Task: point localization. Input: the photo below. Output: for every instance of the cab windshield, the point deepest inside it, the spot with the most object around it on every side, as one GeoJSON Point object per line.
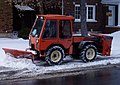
{"type": "Point", "coordinates": [37, 27]}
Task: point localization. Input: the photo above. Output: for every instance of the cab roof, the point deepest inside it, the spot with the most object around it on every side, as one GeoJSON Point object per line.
{"type": "Point", "coordinates": [57, 17]}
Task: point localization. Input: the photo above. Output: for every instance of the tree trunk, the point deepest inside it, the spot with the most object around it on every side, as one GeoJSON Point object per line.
{"type": "Point", "coordinates": [84, 31]}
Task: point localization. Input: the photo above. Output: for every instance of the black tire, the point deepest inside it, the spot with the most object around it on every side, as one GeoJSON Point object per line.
{"type": "Point", "coordinates": [88, 53]}
{"type": "Point", "coordinates": [54, 55]}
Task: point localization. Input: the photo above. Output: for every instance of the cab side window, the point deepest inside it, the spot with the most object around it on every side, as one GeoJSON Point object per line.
{"type": "Point", "coordinates": [65, 29]}
{"type": "Point", "coordinates": [50, 29]}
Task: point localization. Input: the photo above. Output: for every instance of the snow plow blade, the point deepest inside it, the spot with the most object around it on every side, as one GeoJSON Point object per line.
{"type": "Point", "coordinates": [18, 53]}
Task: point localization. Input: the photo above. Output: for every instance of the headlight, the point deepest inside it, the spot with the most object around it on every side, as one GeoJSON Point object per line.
{"type": "Point", "coordinates": [37, 41]}
{"type": "Point", "coordinates": [29, 37]}
{"type": "Point", "coordinates": [41, 18]}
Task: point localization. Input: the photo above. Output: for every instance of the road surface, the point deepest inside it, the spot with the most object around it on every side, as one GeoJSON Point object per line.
{"type": "Point", "coordinates": [105, 76]}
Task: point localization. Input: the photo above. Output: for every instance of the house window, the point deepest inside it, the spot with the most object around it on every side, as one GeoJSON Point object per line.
{"type": "Point", "coordinates": [77, 12]}
{"type": "Point", "coordinates": [90, 14]}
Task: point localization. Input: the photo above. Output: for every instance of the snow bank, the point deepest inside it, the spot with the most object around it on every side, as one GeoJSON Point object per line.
{"type": "Point", "coordinates": [115, 44]}
{"type": "Point", "coordinates": [11, 62]}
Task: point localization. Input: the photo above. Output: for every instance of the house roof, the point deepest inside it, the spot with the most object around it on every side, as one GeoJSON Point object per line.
{"type": "Point", "coordinates": [110, 1]}
{"type": "Point", "coordinates": [24, 8]}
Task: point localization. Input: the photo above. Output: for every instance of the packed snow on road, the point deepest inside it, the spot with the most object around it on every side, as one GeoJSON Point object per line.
{"type": "Point", "coordinates": [26, 66]}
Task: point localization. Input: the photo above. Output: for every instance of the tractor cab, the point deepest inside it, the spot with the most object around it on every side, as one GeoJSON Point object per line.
{"type": "Point", "coordinates": [51, 29]}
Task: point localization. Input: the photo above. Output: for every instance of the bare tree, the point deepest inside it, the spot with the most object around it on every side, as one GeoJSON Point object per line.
{"type": "Point", "coordinates": [84, 31]}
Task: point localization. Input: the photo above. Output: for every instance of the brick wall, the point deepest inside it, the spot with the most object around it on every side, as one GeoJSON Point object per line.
{"type": "Point", "coordinates": [100, 14]}
{"type": "Point", "coordinates": [6, 16]}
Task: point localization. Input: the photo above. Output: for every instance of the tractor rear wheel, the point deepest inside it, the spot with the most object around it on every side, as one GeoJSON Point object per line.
{"type": "Point", "coordinates": [54, 55]}
{"type": "Point", "coordinates": [88, 53]}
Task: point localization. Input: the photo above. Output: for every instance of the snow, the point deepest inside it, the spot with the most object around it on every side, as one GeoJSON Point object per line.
{"type": "Point", "coordinates": [115, 44]}
{"type": "Point", "coordinates": [8, 61]}
{"type": "Point", "coordinates": [25, 8]}
{"type": "Point", "coordinates": [40, 67]}
{"type": "Point", "coordinates": [109, 1]}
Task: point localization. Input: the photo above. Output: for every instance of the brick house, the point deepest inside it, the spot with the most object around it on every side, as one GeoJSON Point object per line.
{"type": "Point", "coordinates": [6, 16]}
{"type": "Point", "coordinates": [97, 10]}
{"type": "Point", "coordinates": [102, 15]}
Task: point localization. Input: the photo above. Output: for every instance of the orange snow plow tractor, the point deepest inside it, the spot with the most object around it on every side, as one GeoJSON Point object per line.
{"type": "Point", "coordinates": [52, 38]}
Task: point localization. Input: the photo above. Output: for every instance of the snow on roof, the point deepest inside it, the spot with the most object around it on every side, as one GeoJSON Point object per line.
{"type": "Point", "coordinates": [24, 8]}
{"type": "Point", "coordinates": [110, 1]}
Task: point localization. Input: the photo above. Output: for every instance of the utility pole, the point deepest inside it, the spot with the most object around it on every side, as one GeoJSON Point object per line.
{"type": "Point", "coordinates": [83, 11]}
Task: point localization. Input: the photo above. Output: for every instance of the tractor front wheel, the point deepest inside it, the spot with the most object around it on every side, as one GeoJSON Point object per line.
{"type": "Point", "coordinates": [54, 55]}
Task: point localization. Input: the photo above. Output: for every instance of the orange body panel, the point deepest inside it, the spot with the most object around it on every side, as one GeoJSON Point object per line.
{"type": "Point", "coordinates": [77, 39]}
{"type": "Point", "coordinates": [106, 46]}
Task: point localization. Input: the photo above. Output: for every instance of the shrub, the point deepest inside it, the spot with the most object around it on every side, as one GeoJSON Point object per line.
{"type": "Point", "coordinates": [24, 33]}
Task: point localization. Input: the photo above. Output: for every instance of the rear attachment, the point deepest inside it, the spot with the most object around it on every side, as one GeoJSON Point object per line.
{"type": "Point", "coordinates": [19, 53]}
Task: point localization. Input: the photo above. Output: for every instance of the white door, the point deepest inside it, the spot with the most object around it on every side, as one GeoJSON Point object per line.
{"type": "Point", "coordinates": [111, 19]}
